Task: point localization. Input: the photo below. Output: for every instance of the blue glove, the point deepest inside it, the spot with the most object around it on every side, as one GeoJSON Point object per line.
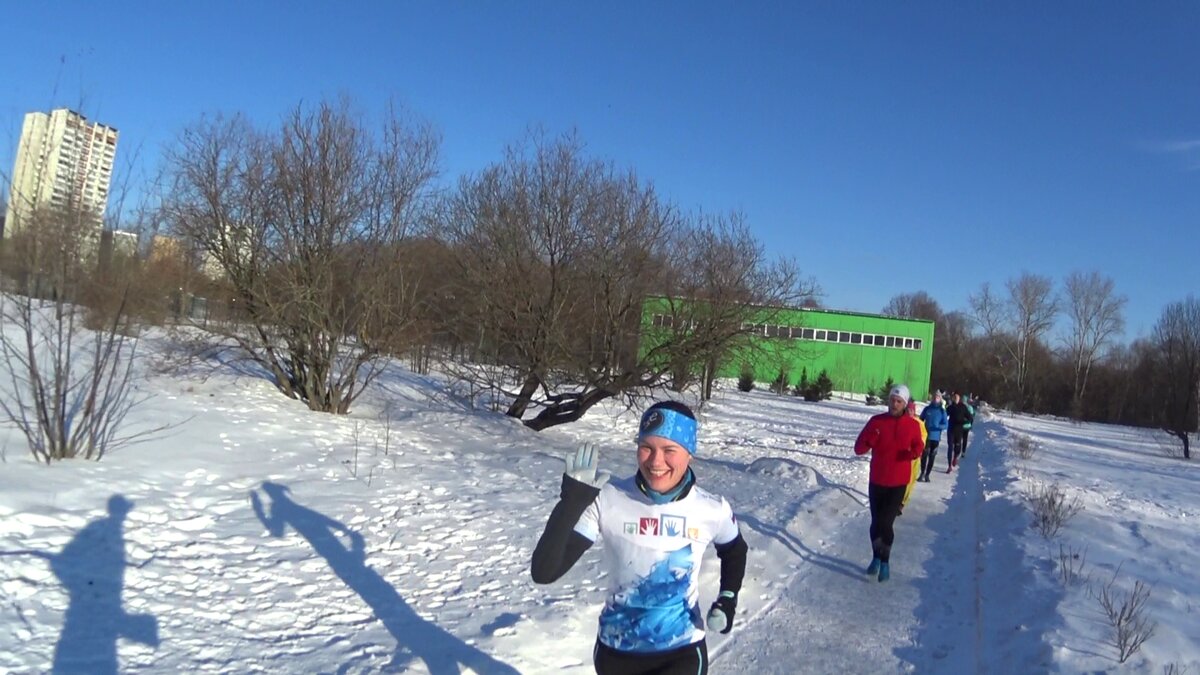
{"type": "Point", "coordinates": [581, 466]}
{"type": "Point", "coordinates": [720, 617]}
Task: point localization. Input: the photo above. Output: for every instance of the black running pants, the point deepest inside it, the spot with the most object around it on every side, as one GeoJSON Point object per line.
{"type": "Point", "coordinates": [687, 660]}
{"type": "Point", "coordinates": [885, 506]}
{"type": "Point", "coordinates": [958, 440]}
{"type": "Point", "coordinates": [928, 456]}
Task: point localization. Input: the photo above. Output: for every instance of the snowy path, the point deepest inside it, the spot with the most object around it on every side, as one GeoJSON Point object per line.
{"type": "Point", "coordinates": [931, 615]}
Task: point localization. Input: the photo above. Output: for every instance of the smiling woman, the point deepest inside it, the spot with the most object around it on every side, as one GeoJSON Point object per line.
{"type": "Point", "coordinates": [656, 526]}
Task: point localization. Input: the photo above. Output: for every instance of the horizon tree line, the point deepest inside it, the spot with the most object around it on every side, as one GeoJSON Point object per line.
{"type": "Point", "coordinates": [339, 250]}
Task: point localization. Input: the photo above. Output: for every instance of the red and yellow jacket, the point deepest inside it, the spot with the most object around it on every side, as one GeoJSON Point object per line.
{"type": "Point", "coordinates": [894, 442]}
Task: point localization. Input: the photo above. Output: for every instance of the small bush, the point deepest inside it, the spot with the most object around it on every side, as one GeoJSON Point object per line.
{"type": "Point", "coordinates": [1051, 508]}
{"type": "Point", "coordinates": [1129, 625]}
{"type": "Point", "coordinates": [1024, 447]}
{"type": "Point", "coordinates": [1175, 669]}
{"type": "Point", "coordinates": [746, 381]}
{"type": "Point", "coordinates": [1070, 565]}
{"type": "Point", "coordinates": [872, 399]}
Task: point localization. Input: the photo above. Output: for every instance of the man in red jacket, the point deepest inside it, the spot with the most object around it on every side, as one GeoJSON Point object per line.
{"type": "Point", "coordinates": [894, 441]}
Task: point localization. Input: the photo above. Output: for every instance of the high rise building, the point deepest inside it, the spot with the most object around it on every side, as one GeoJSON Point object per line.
{"type": "Point", "coordinates": [63, 162]}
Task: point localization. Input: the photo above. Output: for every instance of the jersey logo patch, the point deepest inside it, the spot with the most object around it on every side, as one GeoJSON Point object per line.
{"type": "Point", "coordinates": [648, 526]}
{"type": "Point", "coordinates": [693, 533]}
{"type": "Point", "coordinates": [673, 526]}
{"type": "Point", "coordinates": [631, 528]}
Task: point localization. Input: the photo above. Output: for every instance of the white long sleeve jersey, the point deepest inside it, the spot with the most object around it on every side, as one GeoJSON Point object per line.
{"type": "Point", "coordinates": [653, 554]}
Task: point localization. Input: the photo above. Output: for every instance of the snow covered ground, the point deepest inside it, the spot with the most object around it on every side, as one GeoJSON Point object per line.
{"type": "Point", "coordinates": [256, 536]}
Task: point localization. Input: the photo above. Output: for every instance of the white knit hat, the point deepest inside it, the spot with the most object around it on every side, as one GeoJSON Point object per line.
{"type": "Point", "coordinates": [901, 391]}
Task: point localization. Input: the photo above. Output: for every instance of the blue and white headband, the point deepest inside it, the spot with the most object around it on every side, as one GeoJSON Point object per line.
{"type": "Point", "coordinates": [669, 424]}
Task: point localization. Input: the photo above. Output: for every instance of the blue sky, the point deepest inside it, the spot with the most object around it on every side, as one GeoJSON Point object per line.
{"type": "Point", "coordinates": [889, 147]}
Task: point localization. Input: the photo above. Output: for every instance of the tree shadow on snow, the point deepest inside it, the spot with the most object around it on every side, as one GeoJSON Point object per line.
{"type": "Point", "coordinates": [795, 545]}
{"type": "Point", "coordinates": [415, 637]}
{"type": "Point", "coordinates": [91, 567]}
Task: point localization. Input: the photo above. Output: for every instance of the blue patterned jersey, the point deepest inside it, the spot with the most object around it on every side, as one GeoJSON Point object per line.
{"type": "Point", "coordinates": [653, 553]}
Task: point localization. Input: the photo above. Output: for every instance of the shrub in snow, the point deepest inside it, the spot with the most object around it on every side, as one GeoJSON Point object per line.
{"type": "Point", "coordinates": [1051, 508]}
{"type": "Point", "coordinates": [1024, 447]}
{"type": "Point", "coordinates": [69, 388]}
{"type": "Point", "coordinates": [1128, 623]}
{"type": "Point", "coordinates": [1070, 565]}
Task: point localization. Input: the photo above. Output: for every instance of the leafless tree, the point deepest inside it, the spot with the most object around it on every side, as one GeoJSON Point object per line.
{"type": "Point", "coordinates": [918, 305]}
{"type": "Point", "coordinates": [70, 386]}
{"type": "Point", "coordinates": [991, 314]}
{"type": "Point", "coordinates": [1177, 338]}
{"type": "Point", "coordinates": [308, 225]}
{"type": "Point", "coordinates": [724, 287]}
{"type": "Point", "coordinates": [1096, 318]}
{"type": "Point", "coordinates": [1015, 325]}
{"type": "Point", "coordinates": [556, 253]}
{"type": "Point", "coordinates": [1034, 307]}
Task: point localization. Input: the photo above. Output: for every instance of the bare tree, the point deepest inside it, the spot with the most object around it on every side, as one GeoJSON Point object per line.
{"type": "Point", "coordinates": [70, 386]}
{"type": "Point", "coordinates": [1096, 315]}
{"type": "Point", "coordinates": [1177, 338]}
{"type": "Point", "coordinates": [992, 315]}
{"type": "Point", "coordinates": [723, 289]}
{"type": "Point", "coordinates": [1034, 307]}
{"type": "Point", "coordinates": [556, 254]}
{"type": "Point", "coordinates": [918, 305]}
{"type": "Point", "coordinates": [1015, 326]}
{"type": "Point", "coordinates": [308, 225]}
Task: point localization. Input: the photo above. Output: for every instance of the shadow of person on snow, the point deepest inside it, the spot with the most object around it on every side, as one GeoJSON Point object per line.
{"type": "Point", "coordinates": [441, 651]}
{"type": "Point", "coordinates": [92, 569]}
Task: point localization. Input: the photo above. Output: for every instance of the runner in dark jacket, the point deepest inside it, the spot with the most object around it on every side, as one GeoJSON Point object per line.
{"type": "Point", "coordinates": [959, 415]}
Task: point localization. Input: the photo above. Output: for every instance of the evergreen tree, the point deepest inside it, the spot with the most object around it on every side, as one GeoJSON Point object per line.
{"type": "Point", "coordinates": [780, 385]}
{"type": "Point", "coordinates": [746, 379]}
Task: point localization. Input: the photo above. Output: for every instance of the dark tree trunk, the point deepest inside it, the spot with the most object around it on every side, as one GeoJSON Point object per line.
{"type": "Point", "coordinates": [518, 407]}
{"type": "Point", "coordinates": [568, 409]}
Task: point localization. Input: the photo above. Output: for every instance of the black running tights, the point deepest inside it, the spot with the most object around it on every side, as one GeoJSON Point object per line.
{"type": "Point", "coordinates": [687, 660]}
{"type": "Point", "coordinates": [885, 506]}
{"type": "Point", "coordinates": [928, 456]}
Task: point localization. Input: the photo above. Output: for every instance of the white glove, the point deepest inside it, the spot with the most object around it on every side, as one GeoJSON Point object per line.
{"type": "Point", "coordinates": [581, 466]}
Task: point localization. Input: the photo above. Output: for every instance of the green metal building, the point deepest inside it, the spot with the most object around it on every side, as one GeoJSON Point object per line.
{"type": "Point", "coordinates": [858, 351]}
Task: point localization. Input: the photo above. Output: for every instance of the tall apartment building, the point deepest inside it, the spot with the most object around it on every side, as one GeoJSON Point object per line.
{"type": "Point", "coordinates": [63, 161]}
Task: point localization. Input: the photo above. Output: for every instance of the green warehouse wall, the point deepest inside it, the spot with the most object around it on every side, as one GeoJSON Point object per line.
{"type": "Point", "coordinates": [797, 339]}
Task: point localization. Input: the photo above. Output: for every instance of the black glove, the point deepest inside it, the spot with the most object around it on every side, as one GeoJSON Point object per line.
{"type": "Point", "coordinates": [720, 616]}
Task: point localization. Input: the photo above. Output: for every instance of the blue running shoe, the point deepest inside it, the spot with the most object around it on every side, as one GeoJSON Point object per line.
{"type": "Point", "coordinates": [885, 572]}
{"type": "Point", "coordinates": [873, 568]}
